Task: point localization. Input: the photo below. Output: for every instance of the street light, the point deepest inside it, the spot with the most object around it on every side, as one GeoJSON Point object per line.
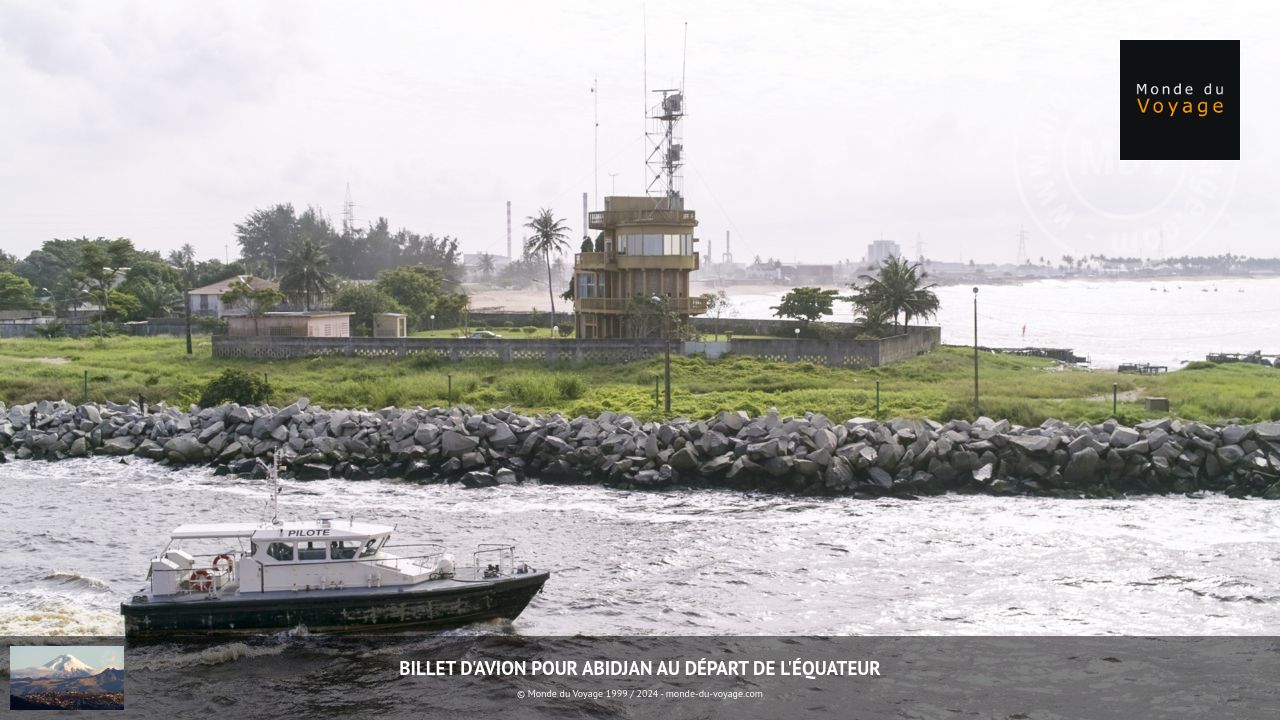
{"type": "Point", "coordinates": [976, 413]}
{"type": "Point", "coordinates": [666, 353]}
{"type": "Point", "coordinates": [796, 350]}
{"type": "Point", "coordinates": [433, 323]}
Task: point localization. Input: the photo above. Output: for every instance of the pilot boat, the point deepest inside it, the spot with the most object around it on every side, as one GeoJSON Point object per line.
{"type": "Point", "coordinates": [327, 574]}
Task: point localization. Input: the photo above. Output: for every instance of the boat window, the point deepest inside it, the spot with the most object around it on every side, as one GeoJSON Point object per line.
{"type": "Point", "coordinates": [343, 549]}
{"type": "Point", "coordinates": [310, 552]}
{"type": "Point", "coordinates": [280, 551]}
{"type": "Point", "coordinates": [371, 547]}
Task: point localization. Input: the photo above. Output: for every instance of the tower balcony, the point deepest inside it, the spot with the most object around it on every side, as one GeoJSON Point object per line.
{"type": "Point", "coordinates": [615, 261]}
{"type": "Point", "coordinates": [680, 305]}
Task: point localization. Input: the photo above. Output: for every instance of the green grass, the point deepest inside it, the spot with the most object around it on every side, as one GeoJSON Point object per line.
{"type": "Point", "coordinates": [937, 385]}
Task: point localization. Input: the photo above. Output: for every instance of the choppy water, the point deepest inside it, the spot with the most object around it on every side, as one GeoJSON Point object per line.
{"type": "Point", "coordinates": [78, 535]}
{"type": "Point", "coordinates": [1163, 322]}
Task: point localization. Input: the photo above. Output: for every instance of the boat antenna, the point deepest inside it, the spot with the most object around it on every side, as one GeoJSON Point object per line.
{"type": "Point", "coordinates": [274, 474]}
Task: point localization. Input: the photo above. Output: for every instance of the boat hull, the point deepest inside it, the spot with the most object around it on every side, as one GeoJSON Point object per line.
{"type": "Point", "coordinates": [431, 606]}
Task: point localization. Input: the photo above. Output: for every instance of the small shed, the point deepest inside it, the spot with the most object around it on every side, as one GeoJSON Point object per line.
{"type": "Point", "coordinates": [292, 324]}
{"type": "Point", "coordinates": [393, 325]}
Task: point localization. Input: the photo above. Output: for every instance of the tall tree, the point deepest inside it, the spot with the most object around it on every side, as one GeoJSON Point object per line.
{"type": "Point", "coordinates": [183, 256]}
{"type": "Point", "coordinates": [549, 236]}
{"type": "Point", "coordinates": [806, 304]}
{"type": "Point", "coordinates": [7, 261]}
{"type": "Point", "coordinates": [264, 236]}
{"type": "Point", "coordinates": [100, 269]}
{"type": "Point", "coordinates": [421, 291]}
{"type": "Point", "coordinates": [486, 264]}
{"type": "Point", "coordinates": [306, 271]}
{"type": "Point", "coordinates": [16, 293]}
{"type": "Point", "coordinates": [157, 300]}
{"type": "Point", "coordinates": [366, 301]}
{"type": "Point", "coordinates": [898, 288]}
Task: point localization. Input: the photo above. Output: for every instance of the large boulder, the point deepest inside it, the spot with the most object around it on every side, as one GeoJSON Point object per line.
{"type": "Point", "coordinates": [455, 444]}
{"type": "Point", "coordinates": [1082, 467]}
{"type": "Point", "coordinates": [184, 449]}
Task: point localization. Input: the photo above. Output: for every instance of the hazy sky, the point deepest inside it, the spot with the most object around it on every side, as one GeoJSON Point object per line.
{"type": "Point", "coordinates": [813, 127]}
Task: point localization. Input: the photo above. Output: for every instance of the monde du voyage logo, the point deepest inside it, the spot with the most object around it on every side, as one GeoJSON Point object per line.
{"type": "Point", "coordinates": [1179, 99]}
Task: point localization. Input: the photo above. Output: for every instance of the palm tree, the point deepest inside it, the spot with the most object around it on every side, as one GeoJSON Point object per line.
{"type": "Point", "coordinates": [306, 272]}
{"type": "Point", "coordinates": [182, 257]}
{"type": "Point", "coordinates": [549, 235]}
{"type": "Point", "coordinates": [486, 264]}
{"type": "Point", "coordinates": [896, 290]}
{"type": "Point", "coordinates": [159, 300]}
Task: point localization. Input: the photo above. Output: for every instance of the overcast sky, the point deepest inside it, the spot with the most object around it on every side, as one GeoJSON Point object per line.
{"type": "Point", "coordinates": [813, 127]}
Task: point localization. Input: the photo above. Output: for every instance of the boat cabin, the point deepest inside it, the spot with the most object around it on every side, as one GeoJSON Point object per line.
{"type": "Point", "coordinates": [320, 554]}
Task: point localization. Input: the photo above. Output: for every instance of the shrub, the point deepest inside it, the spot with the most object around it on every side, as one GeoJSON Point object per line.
{"type": "Point", "coordinates": [529, 330]}
{"type": "Point", "coordinates": [211, 325]}
{"type": "Point", "coordinates": [101, 328]}
{"type": "Point", "coordinates": [235, 386]}
{"type": "Point", "coordinates": [50, 330]}
{"type": "Point", "coordinates": [1200, 365]}
{"type": "Point", "coordinates": [570, 387]}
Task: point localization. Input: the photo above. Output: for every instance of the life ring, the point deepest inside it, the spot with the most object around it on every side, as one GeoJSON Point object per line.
{"type": "Point", "coordinates": [201, 581]}
{"type": "Point", "coordinates": [230, 562]}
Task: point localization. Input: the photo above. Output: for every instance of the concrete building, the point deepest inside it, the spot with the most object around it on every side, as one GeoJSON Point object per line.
{"type": "Point", "coordinates": [207, 300]}
{"type": "Point", "coordinates": [394, 325]}
{"type": "Point", "coordinates": [292, 324]}
{"type": "Point", "coordinates": [646, 251]}
{"type": "Point", "coordinates": [880, 250]}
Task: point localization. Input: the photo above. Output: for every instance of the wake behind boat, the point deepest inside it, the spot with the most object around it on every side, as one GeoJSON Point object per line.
{"type": "Point", "coordinates": [327, 574]}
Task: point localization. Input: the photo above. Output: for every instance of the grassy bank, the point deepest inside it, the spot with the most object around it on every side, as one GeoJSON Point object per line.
{"type": "Point", "coordinates": [937, 385]}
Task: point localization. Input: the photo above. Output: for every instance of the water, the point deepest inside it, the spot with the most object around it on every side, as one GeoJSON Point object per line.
{"type": "Point", "coordinates": [1163, 322]}
{"type": "Point", "coordinates": [79, 534]}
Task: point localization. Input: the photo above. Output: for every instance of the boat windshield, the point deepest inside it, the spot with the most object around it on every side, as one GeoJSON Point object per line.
{"type": "Point", "coordinates": [372, 546]}
{"type": "Point", "coordinates": [343, 549]}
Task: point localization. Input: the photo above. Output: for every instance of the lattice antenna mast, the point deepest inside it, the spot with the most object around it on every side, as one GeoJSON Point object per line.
{"type": "Point", "coordinates": [1022, 246]}
{"type": "Point", "coordinates": [666, 153]}
{"type": "Point", "coordinates": [348, 213]}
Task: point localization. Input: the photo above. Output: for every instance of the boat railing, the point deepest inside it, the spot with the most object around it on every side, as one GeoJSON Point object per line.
{"type": "Point", "coordinates": [498, 552]}
{"type": "Point", "coordinates": [402, 563]}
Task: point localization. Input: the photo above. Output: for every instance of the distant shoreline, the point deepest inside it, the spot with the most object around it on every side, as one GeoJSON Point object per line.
{"type": "Point", "coordinates": [498, 300]}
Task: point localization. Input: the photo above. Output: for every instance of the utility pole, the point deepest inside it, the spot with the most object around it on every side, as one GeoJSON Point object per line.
{"type": "Point", "coordinates": [976, 412]}
{"type": "Point", "coordinates": [187, 299]}
{"type": "Point", "coordinates": [509, 257]}
{"type": "Point", "coordinates": [664, 304]}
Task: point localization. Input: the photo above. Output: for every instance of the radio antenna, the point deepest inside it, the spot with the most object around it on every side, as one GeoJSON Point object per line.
{"type": "Point", "coordinates": [684, 55]}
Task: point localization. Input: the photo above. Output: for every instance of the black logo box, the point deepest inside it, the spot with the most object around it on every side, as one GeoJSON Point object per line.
{"type": "Point", "coordinates": [1191, 65]}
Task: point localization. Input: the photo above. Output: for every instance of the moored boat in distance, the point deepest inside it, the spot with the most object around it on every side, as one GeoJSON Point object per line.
{"type": "Point", "coordinates": [327, 574]}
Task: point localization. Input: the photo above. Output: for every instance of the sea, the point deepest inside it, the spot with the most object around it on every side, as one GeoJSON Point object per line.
{"type": "Point", "coordinates": [970, 605]}
{"type": "Point", "coordinates": [79, 533]}
{"type": "Point", "coordinates": [1165, 321]}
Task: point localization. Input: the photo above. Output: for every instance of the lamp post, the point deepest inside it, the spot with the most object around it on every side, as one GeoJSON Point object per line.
{"type": "Point", "coordinates": [796, 347]}
{"type": "Point", "coordinates": [976, 412]}
{"type": "Point", "coordinates": [666, 354]}
{"type": "Point", "coordinates": [433, 323]}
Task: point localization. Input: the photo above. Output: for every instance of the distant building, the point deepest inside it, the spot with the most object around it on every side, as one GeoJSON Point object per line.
{"type": "Point", "coordinates": [292, 324]}
{"type": "Point", "coordinates": [809, 274]}
{"type": "Point", "coordinates": [207, 300]}
{"type": "Point", "coordinates": [880, 250]}
{"type": "Point", "coordinates": [647, 251]}
{"type": "Point", "coordinates": [769, 270]}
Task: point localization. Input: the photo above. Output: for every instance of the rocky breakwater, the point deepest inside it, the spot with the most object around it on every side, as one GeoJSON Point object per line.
{"type": "Point", "coordinates": [809, 454]}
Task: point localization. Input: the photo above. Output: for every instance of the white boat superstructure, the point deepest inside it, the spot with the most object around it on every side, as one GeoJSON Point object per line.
{"type": "Point", "coordinates": [324, 553]}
